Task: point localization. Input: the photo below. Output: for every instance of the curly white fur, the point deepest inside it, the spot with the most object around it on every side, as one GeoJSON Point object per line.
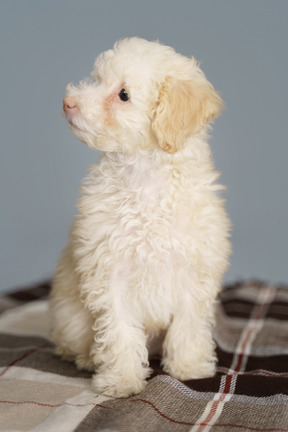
{"type": "Point", "coordinates": [149, 245]}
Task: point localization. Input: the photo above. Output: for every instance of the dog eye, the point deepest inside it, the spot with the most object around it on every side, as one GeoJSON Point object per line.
{"type": "Point", "coordinates": [124, 96]}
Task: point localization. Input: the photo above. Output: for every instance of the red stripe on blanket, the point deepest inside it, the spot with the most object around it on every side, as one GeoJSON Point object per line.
{"type": "Point", "coordinates": [161, 414]}
{"type": "Point", "coordinates": [22, 358]}
{"type": "Point", "coordinates": [42, 404]}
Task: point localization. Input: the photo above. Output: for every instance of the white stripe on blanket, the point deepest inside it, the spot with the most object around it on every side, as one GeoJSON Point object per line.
{"type": "Point", "coordinates": [30, 319]}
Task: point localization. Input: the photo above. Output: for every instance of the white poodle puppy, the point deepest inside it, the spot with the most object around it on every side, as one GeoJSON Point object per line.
{"type": "Point", "coordinates": [149, 245]}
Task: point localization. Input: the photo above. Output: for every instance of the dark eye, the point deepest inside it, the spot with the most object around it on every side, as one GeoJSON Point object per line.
{"type": "Point", "coordinates": [124, 96]}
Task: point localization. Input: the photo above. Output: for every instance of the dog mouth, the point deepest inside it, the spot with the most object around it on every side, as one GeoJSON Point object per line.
{"type": "Point", "coordinates": [85, 133]}
{"type": "Point", "coordinates": [74, 126]}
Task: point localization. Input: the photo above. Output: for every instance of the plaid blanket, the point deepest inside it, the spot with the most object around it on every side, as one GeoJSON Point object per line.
{"type": "Point", "coordinates": [40, 392]}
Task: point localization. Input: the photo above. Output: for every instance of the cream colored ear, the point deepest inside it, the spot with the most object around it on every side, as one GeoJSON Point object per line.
{"type": "Point", "coordinates": [183, 110]}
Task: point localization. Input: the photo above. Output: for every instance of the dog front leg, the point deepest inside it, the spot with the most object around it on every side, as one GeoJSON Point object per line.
{"type": "Point", "coordinates": [119, 350]}
{"type": "Point", "coordinates": [189, 349]}
{"type": "Point", "coordinates": [120, 356]}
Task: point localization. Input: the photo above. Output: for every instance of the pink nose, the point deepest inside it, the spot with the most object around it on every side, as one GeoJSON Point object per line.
{"type": "Point", "coordinates": [70, 105]}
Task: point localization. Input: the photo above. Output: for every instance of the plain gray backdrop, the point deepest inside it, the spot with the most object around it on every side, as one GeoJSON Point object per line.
{"type": "Point", "coordinates": [242, 46]}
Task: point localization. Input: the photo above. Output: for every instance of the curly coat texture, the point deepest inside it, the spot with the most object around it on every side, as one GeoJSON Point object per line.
{"type": "Point", "coordinates": [149, 246]}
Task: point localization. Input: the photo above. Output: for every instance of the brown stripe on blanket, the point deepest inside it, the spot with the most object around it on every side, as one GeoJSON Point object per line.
{"type": "Point", "coordinates": [237, 308]}
{"type": "Point", "coordinates": [277, 364]}
{"type": "Point", "coordinates": [242, 309]}
{"type": "Point", "coordinates": [278, 310]}
{"type": "Point", "coordinates": [35, 353]}
{"type": "Point", "coordinates": [256, 365]}
{"type": "Point", "coordinates": [258, 386]}
{"type": "Point", "coordinates": [35, 292]}
{"type": "Point", "coordinates": [14, 348]}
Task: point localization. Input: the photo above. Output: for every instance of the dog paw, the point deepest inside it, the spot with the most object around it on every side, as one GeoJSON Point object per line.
{"type": "Point", "coordinates": [117, 387]}
{"type": "Point", "coordinates": [84, 362]}
{"type": "Point", "coordinates": [65, 354]}
{"type": "Point", "coordinates": [190, 370]}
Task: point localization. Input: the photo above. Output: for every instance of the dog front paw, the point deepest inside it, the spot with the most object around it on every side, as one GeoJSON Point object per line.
{"type": "Point", "coordinates": [190, 370]}
{"type": "Point", "coordinates": [117, 386]}
{"type": "Point", "coordinates": [84, 362]}
{"type": "Point", "coordinates": [64, 353]}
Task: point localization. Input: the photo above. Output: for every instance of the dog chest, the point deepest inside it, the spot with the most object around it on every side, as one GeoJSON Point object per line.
{"type": "Point", "coordinates": [131, 211]}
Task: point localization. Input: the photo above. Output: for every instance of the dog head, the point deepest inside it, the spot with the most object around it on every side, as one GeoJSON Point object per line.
{"type": "Point", "coordinates": [143, 95]}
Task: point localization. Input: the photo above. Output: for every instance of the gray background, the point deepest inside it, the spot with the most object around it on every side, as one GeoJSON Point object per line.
{"type": "Point", "coordinates": [242, 45]}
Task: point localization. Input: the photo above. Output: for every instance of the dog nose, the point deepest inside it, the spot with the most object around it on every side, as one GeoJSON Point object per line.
{"type": "Point", "coordinates": [70, 104]}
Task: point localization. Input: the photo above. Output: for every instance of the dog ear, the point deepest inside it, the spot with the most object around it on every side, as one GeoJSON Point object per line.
{"type": "Point", "coordinates": [183, 109]}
